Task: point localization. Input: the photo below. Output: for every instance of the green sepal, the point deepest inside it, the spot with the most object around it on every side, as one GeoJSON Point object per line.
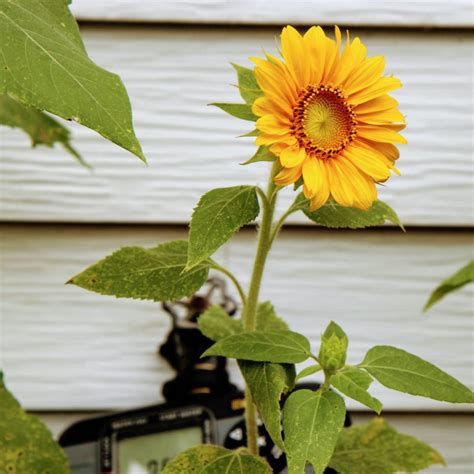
{"type": "Point", "coordinates": [210, 459]}
{"type": "Point", "coordinates": [462, 277]}
{"type": "Point", "coordinates": [241, 111]}
{"type": "Point", "coordinates": [263, 153]}
{"type": "Point", "coordinates": [248, 86]}
{"type": "Point", "coordinates": [333, 351]}
{"type": "Point", "coordinates": [267, 383]}
{"type": "Point", "coordinates": [155, 274]}
{"type": "Point", "coordinates": [376, 447]}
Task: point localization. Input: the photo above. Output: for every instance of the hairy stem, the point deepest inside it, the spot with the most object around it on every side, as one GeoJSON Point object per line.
{"type": "Point", "coordinates": [233, 279]}
{"type": "Point", "coordinates": [250, 310]}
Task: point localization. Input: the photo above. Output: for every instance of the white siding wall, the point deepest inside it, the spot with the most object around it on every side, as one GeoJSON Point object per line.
{"type": "Point", "coordinates": [66, 351]}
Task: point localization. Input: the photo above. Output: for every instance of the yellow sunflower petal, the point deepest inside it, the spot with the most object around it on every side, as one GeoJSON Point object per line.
{"type": "Point", "coordinates": [380, 87]}
{"type": "Point", "coordinates": [380, 134]}
{"type": "Point", "coordinates": [275, 84]}
{"type": "Point", "coordinates": [340, 189]}
{"type": "Point", "coordinates": [265, 106]}
{"type": "Point", "coordinates": [352, 57]}
{"type": "Point", "coordinates": [315, 41]}
{"type": "Point", "coordinates": [312, 176]}
{"type": "Point", "coordinates": [386, 149]}
{"type": "Point", "coordinates": [367, 161]}
{"type": "Point", "coordinates": [288, 176]}
{"type": "Point", "coordinates": [322, 194]}
{"type": "Point", "coordinates": [294, 52]}
{"type": "Point", "coordinates": [271, 125]}
{"type": "Point", "coordinates": [369, 72]}
{"type": "Point", "coordinates": [384, 102]}
{"type": "Point", "coordinates": [292, 156]}
{"type": "Point", "coordinates": [386, 116]}
{"type": "Point", "coordinates": [266, 139]}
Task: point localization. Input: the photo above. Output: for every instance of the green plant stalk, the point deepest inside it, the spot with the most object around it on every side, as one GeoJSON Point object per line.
{"type": "Point", "coordinates": [233, 279]}
{"type": "Point", "coordinates": [250, 310]}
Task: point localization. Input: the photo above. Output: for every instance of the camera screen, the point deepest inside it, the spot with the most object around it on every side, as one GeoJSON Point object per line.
{"type": "Point", "coordinates": [149, 454]}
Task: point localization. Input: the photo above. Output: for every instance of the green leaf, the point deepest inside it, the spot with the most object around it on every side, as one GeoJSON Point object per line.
{"type": "Point", "coordinates": [152, 274]}
{"type": "Point", "coordinates": [272, 346]}
{"type": "Point", "coordinates": [307, 371]}
{"type": "Point", "coordinates": [335, 216]}
{"type": "Point", "coordinates": [216, 324]}
{"type": "Point", "coordinates": [220, 213]}
{"type": "Point", "coordinates": [405, 372]}
{"type": "Point", "coordinates": [263, 153]}
{"type": "Point", "coordinates": [354, 382]}
{"type": "Point", "coordinates": [252, 133]}
{"type": "Point", "coordinates": [312, 422]}
{"type": "Point", "coordinates": [42, 129]}
{"type": "Point", "coordinates": [248, 86]}
{"type": "Point", "coordinates": [44, 65]}
{"type": "Point", "coordinates": [267, 383]}
{"type": "Point", "coordinates": [209, 459]}
{"type": "Point", "coordinates": [267, 319]}
{"type": "Point", "coordinates": [241, 111]}
{"type": "Point", "coordinates": [26, 445]}
{"type": "Point", "coordinates": [376, 447]}
{"type": "Point", "coordinates": [333, 351]}
{"type": "Point", "coordinates": [454, 282]}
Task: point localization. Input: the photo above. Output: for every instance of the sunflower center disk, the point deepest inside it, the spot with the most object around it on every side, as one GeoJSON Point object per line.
{"type": "Point", "coordinates": [323, 121]}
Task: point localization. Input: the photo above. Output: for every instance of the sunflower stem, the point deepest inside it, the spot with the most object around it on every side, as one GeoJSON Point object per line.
{"type": "Point", "coordinates": [250, 309]}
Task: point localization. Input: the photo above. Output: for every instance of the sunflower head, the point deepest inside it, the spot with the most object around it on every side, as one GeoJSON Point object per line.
{"type": "Point", "coordinates": [326, 115]}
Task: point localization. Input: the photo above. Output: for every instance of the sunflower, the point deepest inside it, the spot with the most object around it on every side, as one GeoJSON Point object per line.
{"type": "Point", "coordinates": [327, 116]}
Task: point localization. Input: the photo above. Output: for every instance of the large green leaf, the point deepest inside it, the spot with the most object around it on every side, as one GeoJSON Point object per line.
{"type": "Point", "coordinates": [312, 422]}
{"type": "Point", "coordinates": [44, 65]}
{"type": "Point", "coordinates": [241, 111]}
{"type": "Point", "coordinates": [209, 459]}
{"type": "Point", "coordinates": [248, 86]}
{"type": "Point", "coordinates": [454, 282]}
{"type": "Point", "coordinates": [42, 129]}
{"type": "Point", "coordinates": [271, 346]}
{"type": "Point", "coordinates": [26, 445]}
{"type": "Point", "coordinates": [354, 383]}
{"type": "Point", "coordinates": [216, 324]}
{"type": "Point", "coordinates": [405, 372]}
{"type": "Point", "coordinates": [267, 383]}
{"type": "Point", "coordinates": [307, 371]}
{"type": "Point", "coordinates": [376, 447]}
{"type": "Point", "coordinates": [219, 214]}
{"type": "Point", "coordinates": [335, 216]}
{"type": "Point", "coordinates": [152, 274]}
{"type": "Point", "coordinates": [268, 320]}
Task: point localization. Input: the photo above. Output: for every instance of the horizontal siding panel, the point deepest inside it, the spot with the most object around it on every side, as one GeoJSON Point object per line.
{"type": "Point", "coordinates": [451, 434]}
{"type": "Point", "coordinates": [172, 73]}
{"type": "Point", "coordinates": [403, 13]}
{"type": "Point", "coordinates": [66, 349]}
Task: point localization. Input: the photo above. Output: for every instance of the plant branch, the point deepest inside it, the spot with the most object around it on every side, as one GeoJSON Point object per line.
{"type": "Point", "coordinates": [233, 279]}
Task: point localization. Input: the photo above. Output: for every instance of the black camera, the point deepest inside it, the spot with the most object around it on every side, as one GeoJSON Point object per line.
{"type": "Point", "coordinates": [202, 406]}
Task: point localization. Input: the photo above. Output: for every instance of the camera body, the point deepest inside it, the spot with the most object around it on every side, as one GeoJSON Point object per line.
{"type": "Point", "coordinates": [202, 406]}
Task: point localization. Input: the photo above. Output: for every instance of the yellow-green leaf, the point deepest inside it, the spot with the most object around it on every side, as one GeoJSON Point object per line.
{"type": "Point", "coordinates": [216, 324]}
{"type": "Point", "coordinates": [44, 65]}
{"type": "Point", "coordinates": [263, 153]}
{"type": "Point", "coordinates": [26, 445]}
{"type": "Point", "coordinates": [462, 277]}
{"type": "Point", "coordinates": [210, 459]}
{"type": "Point", "coordinates": [270, 346]}
{"type": "Point", "coordinates": [219, 214]}
{"type": "Point", "coordinates": [405, 372]}
{"type": "Point", "coordinates": [248, 86]}
{"type": "Point", "coordinates": [145, 273]}
{"type": "Point", "coordinates": [312, 422]}
{"type": "Point", "coordinates": [267, 383]}
{"type": "Point", "coordinates": [241, 111]}
{"type": "Point", "coordinates": [376, 447]}
{"type": "Point", "coordinates": [42, 129]}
